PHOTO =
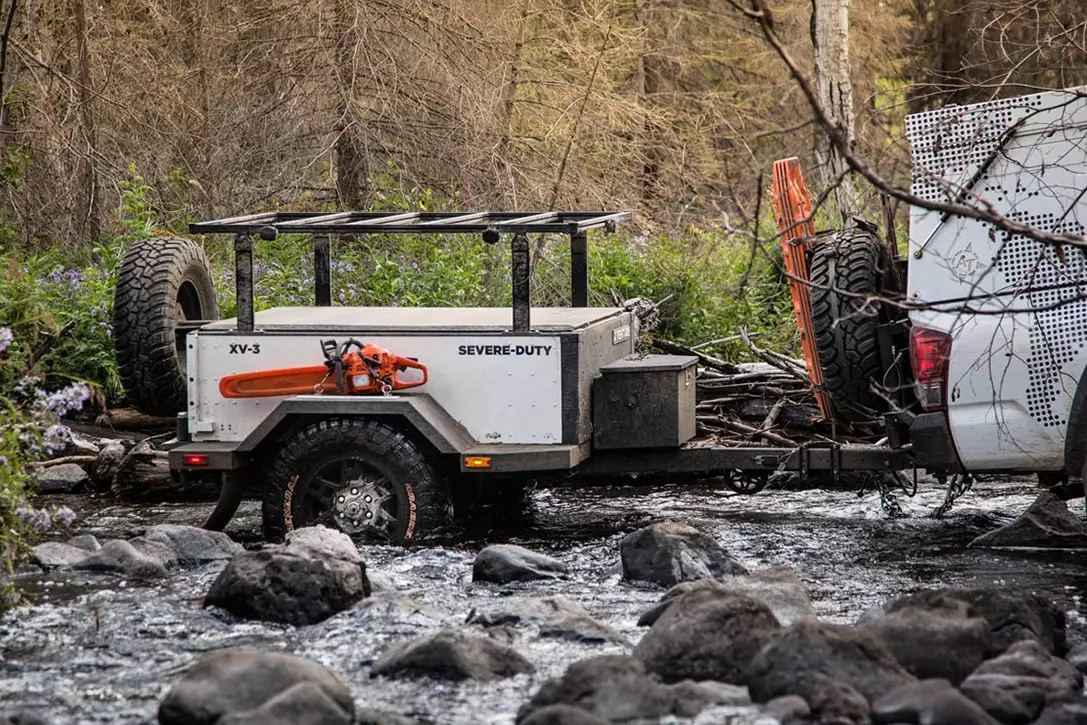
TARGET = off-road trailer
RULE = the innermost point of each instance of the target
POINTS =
(512, 392)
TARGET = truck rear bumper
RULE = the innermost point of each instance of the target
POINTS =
(933, 447)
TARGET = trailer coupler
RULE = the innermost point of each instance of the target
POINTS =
(230, 497)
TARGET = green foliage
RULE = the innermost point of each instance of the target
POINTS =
(13, 485)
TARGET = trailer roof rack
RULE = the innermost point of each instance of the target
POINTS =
(490, 224)
(419, 222)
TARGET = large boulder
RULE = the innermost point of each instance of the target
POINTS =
(833, 702)
(293, 587)
(617, 688)
(1013, 615)
(1064, 710)
(505, 563)
(123, 557)
(1014, 687)
(940, 640)
(1047, 523)
(319, 542)
(555, 618)
(928, 702)
(778, 588)
(193, 545)
(669, 552)
(452, 656)
(807, 654)
(63, 478)
(301, 704)
(707, 635)
(240, 681)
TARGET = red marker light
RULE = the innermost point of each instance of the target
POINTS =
(194, 459)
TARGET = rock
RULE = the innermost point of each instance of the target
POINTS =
(788, 709)
(87, 542)
(395, 609)
(804, 655)
(276, 586)
(380, 582)
(323, 543)
(669, 552)
(366, 716)
(120, 556)
(1011, 700)
(1064, 710)
(155, 550)
(237, 680)
(1013, 615)
(1030, 659)
(80, 445)
(452, 656)
(65, 478)
(505, 563)
(1047, 523)
(707, 635)
(301, 704)
(940, 640)
(55, 555)
(617, 688)
(192, 545)
(1077, 657)
(838, 703)
(777, 587)
(108, 462)
(556, 618)
(562, 715)
(929, 702)
(21, 717)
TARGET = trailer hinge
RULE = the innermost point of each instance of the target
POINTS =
(201, 426)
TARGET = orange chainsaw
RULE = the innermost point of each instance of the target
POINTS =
(353, 368)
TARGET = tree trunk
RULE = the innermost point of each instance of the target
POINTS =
(832, 71)
(89, 221)
(351, 162)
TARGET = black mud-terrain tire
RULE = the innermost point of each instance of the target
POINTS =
(422, 496)
(847, 271)
(159, 282)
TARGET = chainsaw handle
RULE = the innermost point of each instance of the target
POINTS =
(406, 363)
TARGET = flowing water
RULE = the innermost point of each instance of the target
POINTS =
(99, 649)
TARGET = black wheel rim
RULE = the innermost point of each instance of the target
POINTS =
(348, 493)
(188, 308)
(745, 483)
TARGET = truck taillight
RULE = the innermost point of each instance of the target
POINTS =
(930, 352)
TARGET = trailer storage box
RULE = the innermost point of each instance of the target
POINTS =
(644, 401)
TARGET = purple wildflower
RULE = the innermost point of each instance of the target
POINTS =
(69, 399)
(6, 338)
(56, 439)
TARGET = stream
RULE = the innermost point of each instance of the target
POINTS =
(98, 649)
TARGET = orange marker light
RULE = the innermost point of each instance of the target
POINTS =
(477, 462)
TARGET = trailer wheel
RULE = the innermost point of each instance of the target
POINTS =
(848, 273)
(159, 283)
(359, 475)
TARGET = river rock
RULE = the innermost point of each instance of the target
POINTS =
(322, 543)
(55, 555)
(1047, 523)
(87, 542)
(155, 550)
(1013, 615)
(1031, 659)
(937, 640)
(777, 587)
(239, 681)
(64, 478)
(505, 563)
(808, 653)
(1011, 700)
(301, 704)
(834, 702)
(121, 556)
(617, 688)
(788, 710)
(1064, 710)
(707, 635)
(277, 586)
(669, 552)
(556, 618)
(452, 656)
(929, 702)
(563, 715)
(192, 545)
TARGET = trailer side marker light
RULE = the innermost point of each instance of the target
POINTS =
(194, 459)
(477, 462)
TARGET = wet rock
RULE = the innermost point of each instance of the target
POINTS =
(21, 717)
(192, 545)
(505, 563)
(804, 655)
(1011, 700)
(65, 478)
(380, 582)
(778, 588)
(938, 640)
(55, 555)
(838, 703)
(1064, 710)
(87, 542)
(556, 618)
(788, 710)
(155, 550)
(392, 608)
(563, 715)
(366, 716)
(1046, 523)
(1077, 657)
(239, 681)
(1013, 615)
(929, 702)
(707, 635)
(80, 445)
(1030, 659)
(276, 586)
(617, 688)
(322, 543)
(121, 556)
(669, 552)
(452, 656)
(107, 464)
(301, 704)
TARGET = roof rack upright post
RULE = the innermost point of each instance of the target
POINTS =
(579, 269)
(322, 271)
(243, 280)
(522, 269)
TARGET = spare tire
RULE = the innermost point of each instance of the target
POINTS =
(849, 272)
(159, 282)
